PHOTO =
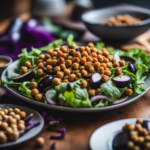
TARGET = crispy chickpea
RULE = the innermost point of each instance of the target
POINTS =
(95, 60)
(103, 65)
(84, 53)
(75, 65)
(48, 61)
(5, 118)
(21, 126)
(38, 96)
(90, 44)
(3, 137)
(47, 56)
(91, 92)
(17, 117)
(113, 60)
(57, 68)
(5, 111)
(91, 69)
(34, 91)
(54, 53)
(145, 132)
(68, 63)
(12, 114)
(147, 138)
(59, 53)
(4, 125)
(62, 66)
(106, 53)
(14, 136)
(70, 57)
(133, 132)
(84, 73)
(96, 65)
(27, 64)
(136, 147)
(1, 118)
(65, 80)
(40, 65)
(98, 91)
(9, 130)
(79, 75)
(110, 57)
(100, 70)
(72, 77)
(88, 65)
(76, 71)
(105, 78)
(39, 72)
(93, 54)
(134, 138)
(23, 114)
(94, 50)
(84, 83)
(66, 77)
(108, 65)
(129, 92)
(56, 81)
(44, 63)
(88, 50)
(39, 60)
(67, 72)
(138, 127)
(40, 141)
(139, 121)
(130, 144)
(50, 51)
(83, 61)
(118, 70)
(82, 49)
(81, 67)
(104, 49)
(9, 120)
(42, 56)
(72, 51)
(64, 55)
(54, 62)
(13, 126)
(24, 69)
(99, 52)
(116, 64)
(9, 110)
(61, 60)
(122, 63)
(57, 49)
(100, 58)
(107, 72)
(60, 74)
(64, 49)
(49, 67)
(147, 145)
(106, 60)
(21, 121)
(130, 127)
(17, 110)
(76, 59)
(33, 85)
(2, 113)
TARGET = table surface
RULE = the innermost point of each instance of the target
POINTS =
(79, 126)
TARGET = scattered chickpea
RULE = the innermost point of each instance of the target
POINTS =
(42, 56)
(47, 56)
(122, 63)
(60, 74)
(56, 81)
(84, 73)
(40, 65)
(105, 78)
(34, 91)
(84, 83)
(100, 70)
(103, 65)
(106, 53)
(113, 60)
(57, 68)
(84, 53)
(24, 69)
(5, 111)
(48, 61)
(118, 70)
(110, 58)
(28, 64)
(72, 77)
(90, 44)
(23, 114)
(67, 72)
(93, 54)
(33, 85)
(97, 65)
(107, 72)
(139, 121)
(100, 58)
(3, 137)
(75, 65)
(91, 92)
(68, 63)
(91, 69)
(129, 92)
(17, 117)
(40, 141)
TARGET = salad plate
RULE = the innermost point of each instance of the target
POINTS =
(101, 139)
(131, 99)
(31, 133)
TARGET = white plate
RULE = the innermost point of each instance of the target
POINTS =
(102, 137)
(31, 133)
(12, 66)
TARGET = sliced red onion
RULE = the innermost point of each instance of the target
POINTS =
(28, 118)
(53, 145)
(62, 131)
(48, 98)
(121, 100)
(98, 97)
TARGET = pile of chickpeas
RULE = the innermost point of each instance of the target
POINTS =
(71, 63)
(139, 136)
(11, 124)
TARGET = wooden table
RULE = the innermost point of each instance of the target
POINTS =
(79, 126)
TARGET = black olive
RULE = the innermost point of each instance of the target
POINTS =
(127, 58)
(131, 68)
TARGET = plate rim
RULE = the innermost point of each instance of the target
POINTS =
(31, 135)
(69, 109)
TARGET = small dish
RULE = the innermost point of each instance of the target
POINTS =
(6, 59)
(93, 18)
(103, 136)
(31, 133)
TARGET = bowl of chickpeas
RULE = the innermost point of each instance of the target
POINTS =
(116, 24)
(12, 124)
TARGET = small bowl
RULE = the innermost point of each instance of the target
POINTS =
(93, 18)
(6, 59)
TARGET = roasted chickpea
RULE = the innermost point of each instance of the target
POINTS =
(107, 72)
(39, 60)
(40, 141)
(88, 50)
(105, 78)
(103, 65)
(61, 60)
(138, 127)
(91, 92)
(13, 126)
(100, 58)
(70, 57)
(84, 53)
(106, 60)
(67, 72)
(27, 64)
(118, 70)
(73, 46)
(4, 125)
(9, 130)
(54, 62)
(98, 91)
(147, 145)
(72, 77)
(122, 63)
(56, 81)
(5, 118)
(21, 126)
(47, 56)
(139, 121)
(44, 63)
(64, 49)
(49, 67)
(104, 49)
(134, 138)
(72, 51)
(82, 49)
(1, 119)
(91, 69)
(88, 65)
(59, 53)
(24, 69)
(39, 72)
(108, 65)
(133, 132)
(54, 53)
(136, 147)
(83, 61)
(34, 92)
(116, 64)
(33, 85)
(62, 66)
(90, 44)
(93, 54)
(94, 50)
(106, 53)
(145, 132)
(95, 60)
(68, 63)
(21, 121)
(64, 55)
(5, 111)
(84, 73)
(50, 51)
(130, 127)
(14, 136)
(9, 110)
(129, 92)
(60, 74)
(48, 61)
(42, 56)
(3, 137)
(12, 114)
(17, 117)
(110, 57)
(76, 71)
(65, 80)
(99, 52)
(23, 114)
(57, 68)
(75, 65)
(40, 65)
(147, 138)
(100, 70)
(84, 83)
(79, 75)
(96, 65)
(130, 144)
(57, 49)
(113, 60)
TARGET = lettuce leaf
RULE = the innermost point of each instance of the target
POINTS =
(99, 45)
(70, 40)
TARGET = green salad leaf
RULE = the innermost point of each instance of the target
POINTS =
(101, 103)
(70, 40)
(99, 45)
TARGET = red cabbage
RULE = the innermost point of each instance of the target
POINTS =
(31, 125)
(53, 145)
(62, 131)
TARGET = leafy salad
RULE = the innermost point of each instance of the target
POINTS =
(79, 76)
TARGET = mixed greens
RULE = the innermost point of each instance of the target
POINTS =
(72, 95)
